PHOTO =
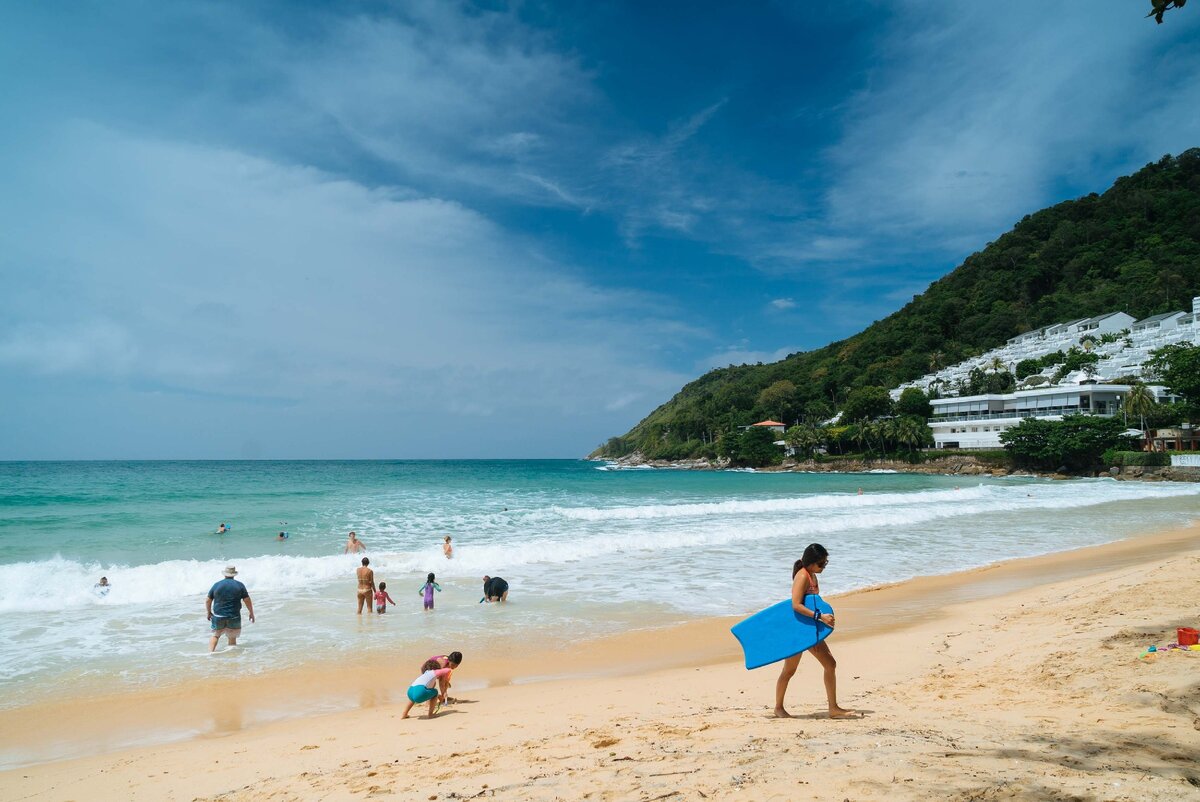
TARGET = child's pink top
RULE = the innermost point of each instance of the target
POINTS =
(381, 596)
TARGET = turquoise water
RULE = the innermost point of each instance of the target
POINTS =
(588, 551)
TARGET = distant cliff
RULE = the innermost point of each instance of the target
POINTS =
(1136, 248)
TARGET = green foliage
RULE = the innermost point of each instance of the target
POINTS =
(1075, 359)
(1134, 248)
(1178, 366)
(982, 381)
(1162, 416)
(779, 401)
(914, 402)
(1077, 442)
(754, 448)
(867, 403)
(1160, 7)
(1028, 367)
(805, 439)
(1144, 458)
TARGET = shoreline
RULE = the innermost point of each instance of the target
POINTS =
(83, 728)
(954, 465)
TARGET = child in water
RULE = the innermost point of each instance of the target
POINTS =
(427, 591)
(429, 687)
(382, 599)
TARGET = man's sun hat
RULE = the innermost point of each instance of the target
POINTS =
(230, 571)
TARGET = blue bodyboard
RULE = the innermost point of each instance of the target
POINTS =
(779, 632)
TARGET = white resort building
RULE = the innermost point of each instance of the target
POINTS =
(976, 421)
(1122, 344)
(1129, 344)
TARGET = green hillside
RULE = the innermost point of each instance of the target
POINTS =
(1136, 248)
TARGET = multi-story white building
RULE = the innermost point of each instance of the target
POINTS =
(1121, 343)
(976, 421)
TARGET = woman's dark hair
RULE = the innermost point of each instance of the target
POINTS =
(430, 665)
(366, 561)
(813, 554)
(454, 657)
(430, 578)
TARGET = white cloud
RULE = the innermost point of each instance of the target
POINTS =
(972, 119)
(782, 304)
(201, 269)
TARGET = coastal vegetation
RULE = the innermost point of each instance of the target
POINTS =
(1077, 443)
(1134, 248)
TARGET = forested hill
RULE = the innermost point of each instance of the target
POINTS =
(1136, 248)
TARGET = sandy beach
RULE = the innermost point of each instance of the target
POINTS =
(1016, 681)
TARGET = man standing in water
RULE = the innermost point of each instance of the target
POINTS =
(354, 545)
(366, 585)
(224, 608)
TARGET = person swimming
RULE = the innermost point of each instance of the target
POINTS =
(102, 587)
(222, 529)
(282, 536)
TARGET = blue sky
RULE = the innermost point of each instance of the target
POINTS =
(428, 229)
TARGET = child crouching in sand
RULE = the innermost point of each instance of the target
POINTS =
(429, 687)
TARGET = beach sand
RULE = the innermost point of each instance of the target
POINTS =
(1019, 681)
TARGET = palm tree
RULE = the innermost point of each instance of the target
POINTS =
(937, 361)
(911, 432)
(857, 434)
(805, 438)
(1140, 402)
(997, 364)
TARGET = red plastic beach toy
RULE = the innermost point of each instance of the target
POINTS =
(1188, 636)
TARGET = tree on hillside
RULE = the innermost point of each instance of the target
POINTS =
(1178, 367)
(1027, 367)
(818, 410)
(779, 400)
(914, 402)
(867, 403)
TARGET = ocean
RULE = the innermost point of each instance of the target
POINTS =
(588, 549)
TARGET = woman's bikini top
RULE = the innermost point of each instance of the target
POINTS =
(813, 585)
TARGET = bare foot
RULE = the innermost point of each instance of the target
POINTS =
(841, 712)
(781, 713)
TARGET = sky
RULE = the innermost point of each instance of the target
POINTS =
(437, 230)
